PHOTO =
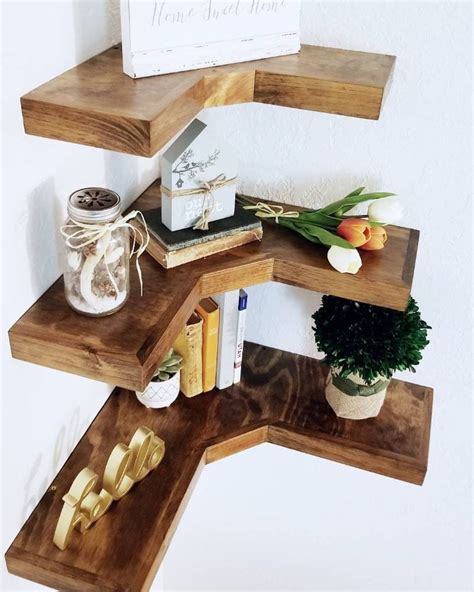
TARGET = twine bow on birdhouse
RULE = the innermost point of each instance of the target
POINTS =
(207, 208)
(205, 188)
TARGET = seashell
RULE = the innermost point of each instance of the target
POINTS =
(114, 255)
(87, 272)
(74, 260)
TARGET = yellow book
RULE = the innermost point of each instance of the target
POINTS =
(189, 346)
(209, 312)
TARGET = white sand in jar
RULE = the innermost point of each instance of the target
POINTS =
(102, 305)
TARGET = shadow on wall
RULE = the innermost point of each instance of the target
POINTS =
(43, 237)
(100, 22)
(96, 27)
(310, 192)
(121, 175)
(66, 440)
(272, 304)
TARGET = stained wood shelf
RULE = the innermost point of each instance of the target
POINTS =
(125, 348)
(97, 105)
(279, 400)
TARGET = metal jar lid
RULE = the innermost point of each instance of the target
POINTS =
(94, 204)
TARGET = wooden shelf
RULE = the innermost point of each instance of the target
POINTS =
(280, 400)
(125, 348)
(97, 105)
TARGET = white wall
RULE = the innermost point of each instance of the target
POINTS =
(270, 518)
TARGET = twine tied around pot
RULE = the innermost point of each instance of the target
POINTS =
(206, 188)
(351, 388)
(91, 233)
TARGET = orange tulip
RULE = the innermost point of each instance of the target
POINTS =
(377, 239)
(355, 230)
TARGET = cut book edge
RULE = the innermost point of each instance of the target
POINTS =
(170, 259)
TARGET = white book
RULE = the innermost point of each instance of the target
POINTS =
(229, 308)
(239, 346)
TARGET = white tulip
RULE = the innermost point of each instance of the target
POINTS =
(387, 210)
(344, 260)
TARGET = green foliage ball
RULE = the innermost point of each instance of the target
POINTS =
(369, 340)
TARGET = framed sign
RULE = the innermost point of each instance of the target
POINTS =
(159, 37)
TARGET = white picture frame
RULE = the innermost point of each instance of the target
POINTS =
(160, 37)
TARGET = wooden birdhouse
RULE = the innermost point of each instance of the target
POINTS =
(198, 179)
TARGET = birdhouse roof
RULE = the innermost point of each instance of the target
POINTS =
(184, 140)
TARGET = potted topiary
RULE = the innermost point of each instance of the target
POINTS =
(163, 388)
(364, 345)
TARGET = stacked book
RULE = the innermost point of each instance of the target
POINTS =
(173, 248)
(199, 215)
(212, 343)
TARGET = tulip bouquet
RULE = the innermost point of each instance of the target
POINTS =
(332, 227)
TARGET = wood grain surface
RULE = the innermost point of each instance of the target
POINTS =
(124, 349)
(279, 400)
(97, 105)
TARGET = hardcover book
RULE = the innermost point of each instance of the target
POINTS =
(239, 345)
(171, 249)
(228, 305)
(189, 346)
(208, 310)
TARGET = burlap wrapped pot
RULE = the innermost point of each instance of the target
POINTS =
(352, 398)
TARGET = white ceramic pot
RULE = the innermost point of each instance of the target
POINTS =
(160, 394)
(350, 406)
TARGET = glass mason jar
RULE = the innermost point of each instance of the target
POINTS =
(97, 253)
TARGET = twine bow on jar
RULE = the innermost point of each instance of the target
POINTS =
(205, 188)
(93, 233)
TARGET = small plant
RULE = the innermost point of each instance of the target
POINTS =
(369, 340)
(171, 364)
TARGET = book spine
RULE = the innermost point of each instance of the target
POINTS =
(239, 346)
(189, 346)
(210, 340)
(228, 304)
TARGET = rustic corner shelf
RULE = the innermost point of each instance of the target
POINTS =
(97, 105)
(281, 396)
(124, 349)
(279, 400)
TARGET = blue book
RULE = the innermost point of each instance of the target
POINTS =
(239, 346)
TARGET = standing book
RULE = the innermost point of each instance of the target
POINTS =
(208, 310)
(228, 305)
(239, 345)
(189, 346)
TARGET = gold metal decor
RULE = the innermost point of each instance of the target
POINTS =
(126, 465)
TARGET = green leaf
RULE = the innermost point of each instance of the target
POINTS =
(347, 203)
(357, 191)
(171, 361)
(304, 234)
(326, 237)
(321, 219)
